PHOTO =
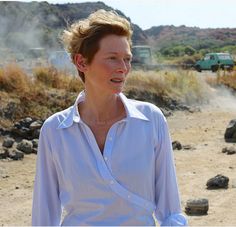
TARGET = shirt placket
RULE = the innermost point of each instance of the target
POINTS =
(110, 140)
(104, 166)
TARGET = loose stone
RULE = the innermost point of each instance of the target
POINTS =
(197, 207)
(217, 182)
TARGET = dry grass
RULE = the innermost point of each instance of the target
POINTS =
(40, 95)
(169, 83)
(53, 78)
(14, 79)
(228, 79)
(50, 90)
(179, 85)
(144, 81)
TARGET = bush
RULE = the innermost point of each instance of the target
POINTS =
(189, 50)
(14, 79)
(50, 77)
(53, 78)
(181, 85)
(228, 79)
(188, 59)
(40, 95)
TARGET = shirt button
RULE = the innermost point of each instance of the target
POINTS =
(105, 158)
(110, 138)
(129, 196)
(111, 182)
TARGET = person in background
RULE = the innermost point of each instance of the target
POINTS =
(106, 160)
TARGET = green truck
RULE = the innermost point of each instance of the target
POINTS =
(215, 61)
(142, 57)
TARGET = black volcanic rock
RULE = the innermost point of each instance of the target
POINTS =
(230, 132)
(217, 182)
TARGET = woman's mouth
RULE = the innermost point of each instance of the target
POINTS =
(117, 80)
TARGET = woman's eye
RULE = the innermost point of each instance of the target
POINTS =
(127, 60)
(112, 58)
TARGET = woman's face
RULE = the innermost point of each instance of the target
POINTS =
(107, 72)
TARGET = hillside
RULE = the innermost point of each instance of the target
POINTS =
(164, 37)
(194, 36)
(38, 24)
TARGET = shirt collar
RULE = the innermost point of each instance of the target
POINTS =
(73, 115)
(131, 110)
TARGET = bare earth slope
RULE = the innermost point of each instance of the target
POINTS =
(202, 130)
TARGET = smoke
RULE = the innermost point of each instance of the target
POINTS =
(27, 40)
(222, 98)
(19, 33)
(197, 90)
(215, 96)
(3, 26)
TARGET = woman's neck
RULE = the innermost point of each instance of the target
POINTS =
(101, 109)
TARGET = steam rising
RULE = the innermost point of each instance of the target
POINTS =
(218, 97)
(21, 32)
(222, 98)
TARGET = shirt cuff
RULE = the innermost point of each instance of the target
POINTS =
(177, 219)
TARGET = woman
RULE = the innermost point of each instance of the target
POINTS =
(106, 160)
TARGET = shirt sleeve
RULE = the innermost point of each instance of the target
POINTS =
(46, 209)
(168, 209)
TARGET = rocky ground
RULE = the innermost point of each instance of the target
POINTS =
(203, 131)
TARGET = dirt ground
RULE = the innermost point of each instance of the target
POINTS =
(203, 130)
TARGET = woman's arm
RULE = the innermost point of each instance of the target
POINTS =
(168, 210)
(46, 203)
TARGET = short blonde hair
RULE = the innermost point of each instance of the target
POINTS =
(83, 37)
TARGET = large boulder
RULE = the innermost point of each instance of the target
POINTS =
(15, 154)
(21, 128)
(35, 125)
(217, 182)
(4, 153)
(12, 154)
(230, 132)
(25, 146)
(8, 142)
(27, 128)
(35, 143)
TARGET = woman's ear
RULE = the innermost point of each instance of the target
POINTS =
(80, 62)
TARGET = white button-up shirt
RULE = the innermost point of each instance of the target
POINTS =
(133, 178)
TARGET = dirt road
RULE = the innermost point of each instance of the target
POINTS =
(202, 130)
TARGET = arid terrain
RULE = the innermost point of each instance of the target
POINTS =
(203, 130)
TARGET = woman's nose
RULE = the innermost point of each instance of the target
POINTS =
(123, 66)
